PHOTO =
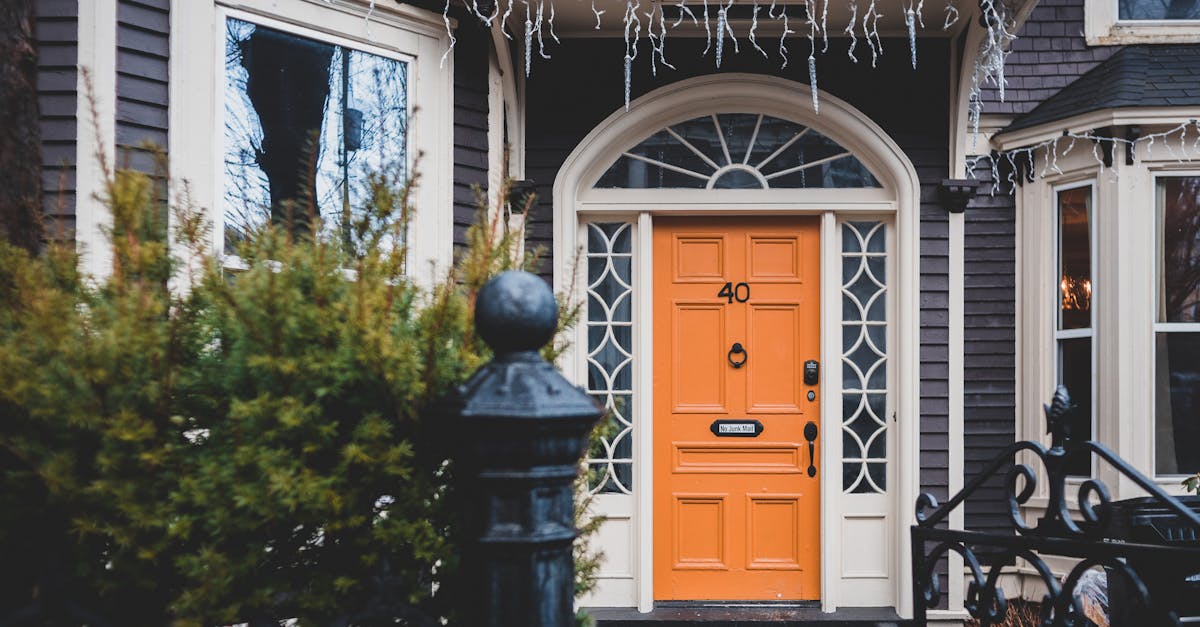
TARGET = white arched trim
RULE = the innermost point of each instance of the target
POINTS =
(898, 199)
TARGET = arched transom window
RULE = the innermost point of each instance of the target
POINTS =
(737, 151)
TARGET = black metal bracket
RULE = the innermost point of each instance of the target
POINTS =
(955, 194)
(1132, 134)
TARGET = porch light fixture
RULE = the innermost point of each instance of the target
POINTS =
(955, 194)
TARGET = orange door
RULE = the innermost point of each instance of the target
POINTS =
(736, 511)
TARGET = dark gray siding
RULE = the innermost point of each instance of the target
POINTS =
(143, 47)
(470, 124)
(564, 104)
(1050, 51)
(57, 33)
(989, 345)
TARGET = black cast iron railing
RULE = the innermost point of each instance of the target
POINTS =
(1147, 583)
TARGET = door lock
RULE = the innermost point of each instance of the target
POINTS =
(812, 370)
(733, 354)
(810, 434)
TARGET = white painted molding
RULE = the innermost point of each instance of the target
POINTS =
(96, 132)
(778, 97)
(1147, 116)
(418, 37)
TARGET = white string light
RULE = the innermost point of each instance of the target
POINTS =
(1051, 152)
(989, 66)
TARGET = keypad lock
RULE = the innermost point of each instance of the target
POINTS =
(812, 369)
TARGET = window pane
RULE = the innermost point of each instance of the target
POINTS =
(610, 355)
(1075, 372)
(1178, 200)
(305, 122)
(1159, 9)
(864, 359)
(690, 153)
(1177, 403)
(1075, 258)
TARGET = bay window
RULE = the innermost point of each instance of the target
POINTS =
(1177, 326)
(1073, 334)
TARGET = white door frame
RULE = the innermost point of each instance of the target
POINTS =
(899, 200)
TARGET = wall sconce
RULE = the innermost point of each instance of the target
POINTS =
(1076, 293)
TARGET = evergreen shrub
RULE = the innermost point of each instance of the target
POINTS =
(190, 445)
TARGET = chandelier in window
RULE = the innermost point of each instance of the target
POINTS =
(1076, 293)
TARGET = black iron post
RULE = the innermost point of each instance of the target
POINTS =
(523, 428)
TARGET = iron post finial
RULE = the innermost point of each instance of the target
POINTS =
(516, 312)
(1056, 416)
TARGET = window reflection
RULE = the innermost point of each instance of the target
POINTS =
(1075, 258)
(305, 122)
(1177, 345)
(1159, 9)
(1074, 332)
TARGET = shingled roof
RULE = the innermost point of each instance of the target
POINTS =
(1136, 76)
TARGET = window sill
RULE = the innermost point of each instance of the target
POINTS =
(1146, 32)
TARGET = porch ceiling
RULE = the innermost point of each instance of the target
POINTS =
(575, 18)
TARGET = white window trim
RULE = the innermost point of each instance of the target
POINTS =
(1192, 327)
(1090, 331)
(1102, 27)
(196, 135)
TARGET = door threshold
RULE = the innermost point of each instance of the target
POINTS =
(742, 613)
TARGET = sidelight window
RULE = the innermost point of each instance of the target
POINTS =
(864, 357)
(610, 352)
(1177, 326)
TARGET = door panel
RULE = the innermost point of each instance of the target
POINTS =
(736, 518)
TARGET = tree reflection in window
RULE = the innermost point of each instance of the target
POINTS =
(737, 151)
(305, 122)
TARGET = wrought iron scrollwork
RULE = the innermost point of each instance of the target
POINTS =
(1087, 535)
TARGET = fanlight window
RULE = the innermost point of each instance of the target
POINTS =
(737, 151)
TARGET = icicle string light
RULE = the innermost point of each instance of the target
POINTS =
(850, 31)
(910, 22)
(722, 22)
(951, 15)
(812, 55)
(1051, 150)
(783, 37)
(824, 26)
(449, 33)
(754, 27)
(528, 38)
(539, 21)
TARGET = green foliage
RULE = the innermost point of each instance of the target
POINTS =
(1192, 483)
(205, 447)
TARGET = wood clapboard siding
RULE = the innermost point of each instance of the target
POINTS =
(470, 124)
(56, 30)
(989, 345)
(564, 104)
(143, 50)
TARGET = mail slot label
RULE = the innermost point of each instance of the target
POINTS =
(736, 428)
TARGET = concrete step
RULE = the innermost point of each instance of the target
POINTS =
(745, 615)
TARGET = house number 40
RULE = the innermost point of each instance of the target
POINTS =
(731, 292)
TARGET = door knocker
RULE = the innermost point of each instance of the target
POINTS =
(734, 352)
